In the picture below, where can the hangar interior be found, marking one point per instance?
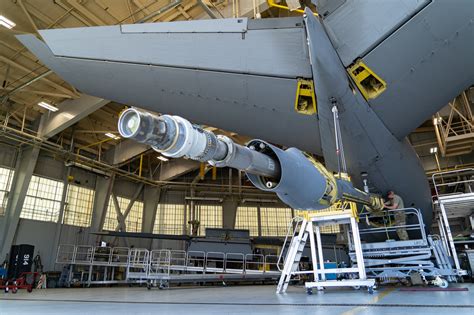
(72, 185)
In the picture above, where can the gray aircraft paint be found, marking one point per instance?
(250, 89)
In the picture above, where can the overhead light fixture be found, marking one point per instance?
(48, 106)
(6, 22)
(162, 158)
(68, 115)
(245, 200)
(204, 199)
(433, 150)
(436, 120)
(111, 135)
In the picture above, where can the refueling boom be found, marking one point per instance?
(298, 179)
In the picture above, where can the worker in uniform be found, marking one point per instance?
(396, 202)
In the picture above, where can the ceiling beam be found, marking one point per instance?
(176, 167)
(124, 151)
(25, 69)
(40, 92)
(84, 11)
(69, 113)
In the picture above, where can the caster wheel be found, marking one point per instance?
(148, 286)
(444, 284)
(6, 290)
(309, 291)
(29, 289)
(356, 287)
(14, 290)
(370, 290)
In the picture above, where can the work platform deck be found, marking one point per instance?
(236, 300)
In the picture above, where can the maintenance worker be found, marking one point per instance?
(396, 202)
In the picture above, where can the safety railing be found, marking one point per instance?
(234, 263)
(83, 254)
(142, 263)
(120, 256)
(385, 223)
(66, 254)
(139, 257)
(160, 261)
(195, 261)
(293, 228)
(273, 263)
(453, 182)
(139, 263)
(102, 255)
(178, 259)
(214, 262)
(254, 262)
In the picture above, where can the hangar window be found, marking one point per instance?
(6, 176)
(79, 204)
(247, 218)
(209, 216)
(43, 199)
(133, 222)
(169, 219)
(275, 221)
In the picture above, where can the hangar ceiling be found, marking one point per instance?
(25, 82)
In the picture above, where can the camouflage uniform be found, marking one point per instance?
(400, 217)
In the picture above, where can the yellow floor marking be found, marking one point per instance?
(375, 300)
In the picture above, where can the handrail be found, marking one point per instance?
(234, 258)
(159, 262)
(271, 3)
(420, 226)
(298, 220)
(441, 174)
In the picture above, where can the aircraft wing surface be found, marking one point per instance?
(238, 74)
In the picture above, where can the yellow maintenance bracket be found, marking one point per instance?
(272, 3)
(305, 101)
(369, 83)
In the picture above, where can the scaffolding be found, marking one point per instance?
(455, 134)
(454, 199)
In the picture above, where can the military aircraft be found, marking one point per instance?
(387, 66)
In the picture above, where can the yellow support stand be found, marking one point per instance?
(339, 207)
(214, 173)
(202, 170)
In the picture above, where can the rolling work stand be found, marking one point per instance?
(310, 228)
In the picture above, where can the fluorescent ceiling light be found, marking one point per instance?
(259, 200)
(111, 135)
(162, 158)
(48, 106)
(204, 198)
(433, 150)
(68, 115)
(6, 22)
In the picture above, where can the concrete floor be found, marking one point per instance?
(235, 300)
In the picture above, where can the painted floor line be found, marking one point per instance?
(244, 304)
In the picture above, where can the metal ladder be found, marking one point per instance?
(295, 251)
